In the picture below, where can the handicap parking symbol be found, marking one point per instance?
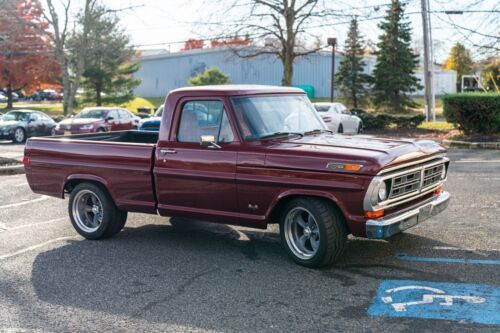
(474, 303)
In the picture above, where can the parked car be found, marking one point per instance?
(21, 124)
(237, 160)
(152, 123)
(46, 95)
(3, 98)
(338, 118)
(98, 119)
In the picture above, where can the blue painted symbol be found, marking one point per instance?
(404, 256)
(475, 303)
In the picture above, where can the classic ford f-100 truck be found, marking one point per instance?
(250, 156)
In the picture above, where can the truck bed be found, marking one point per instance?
(121, 161)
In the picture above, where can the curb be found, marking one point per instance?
(15, 169)
(471, 145)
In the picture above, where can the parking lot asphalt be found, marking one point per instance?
(215, 278)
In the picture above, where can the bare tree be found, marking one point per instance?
(282, 23)
(60, 34)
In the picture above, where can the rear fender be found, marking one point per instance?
(93, 178)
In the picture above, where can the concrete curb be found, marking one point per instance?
(15, 169)
(471, 145)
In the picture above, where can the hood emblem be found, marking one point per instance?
(344, 167)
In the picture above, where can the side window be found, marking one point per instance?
(113, 114)
(204, 118)
(34, 117)
(124, 114)
(344, 110)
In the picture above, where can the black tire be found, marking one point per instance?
(17, 138)
(341, 129)
(360, 128)
(113, 219)
(332, 231)
(100, 130)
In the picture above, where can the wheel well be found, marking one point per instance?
(72, 183)
(274, 217)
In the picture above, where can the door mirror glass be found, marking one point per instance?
(209, 141)
(110, 118)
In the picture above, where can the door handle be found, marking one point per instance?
(168, 151)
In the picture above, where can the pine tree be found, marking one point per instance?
(352, 81)
(394, 72)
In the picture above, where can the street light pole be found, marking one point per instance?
(427, 65)
(332, 42)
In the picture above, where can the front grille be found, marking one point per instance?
(413, 182)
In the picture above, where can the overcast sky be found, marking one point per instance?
(166, 23)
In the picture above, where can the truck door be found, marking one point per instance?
(193, 178)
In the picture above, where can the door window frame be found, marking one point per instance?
(178, 114)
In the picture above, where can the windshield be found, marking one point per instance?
(264, 116)
(18, 116)
(92, 113)
(321, 108)
(159, 112)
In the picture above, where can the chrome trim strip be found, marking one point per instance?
(440, 156)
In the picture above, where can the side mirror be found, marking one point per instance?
(31, 120)
(109, 118)
(209, 142)
(354, 113)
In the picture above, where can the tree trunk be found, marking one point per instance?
(287, 68)
(10, 103)
(98, 99)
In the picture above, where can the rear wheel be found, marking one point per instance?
(360, 128)
(100, 130)
(313, 232)
(93, 213)
(19, 135)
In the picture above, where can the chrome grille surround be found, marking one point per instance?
(406, 182)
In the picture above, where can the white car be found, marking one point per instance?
(338, 118)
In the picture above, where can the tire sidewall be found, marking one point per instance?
(14, 135)
(317, 259)
(109, 211)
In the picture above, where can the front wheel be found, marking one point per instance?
(93, 213)
(340, 129)
(313, 232)
(360, 128)
(19, 135)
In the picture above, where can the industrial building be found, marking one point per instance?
(161, 72)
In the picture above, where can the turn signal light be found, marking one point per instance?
(26, 160)
(438, 191)
(374, 215)
(352, 167)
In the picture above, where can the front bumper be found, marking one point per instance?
(392, 224)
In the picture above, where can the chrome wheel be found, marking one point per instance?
(53, 132)
(302, 233)
(19, 135)
(87, 211)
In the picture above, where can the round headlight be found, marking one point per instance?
(443, 173)
(382, 192)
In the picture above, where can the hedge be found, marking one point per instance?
(473, 112)
(384, 120)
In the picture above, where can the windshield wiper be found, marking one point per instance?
(277, 134)
(318, 131)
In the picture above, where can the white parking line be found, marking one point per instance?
(5, 228)
(27, 249)
(24, 202)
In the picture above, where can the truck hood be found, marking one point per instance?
(79, 121)
(315, 152)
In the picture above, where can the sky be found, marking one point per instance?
(165, 24)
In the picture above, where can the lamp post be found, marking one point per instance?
(332, 42)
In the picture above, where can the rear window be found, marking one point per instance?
(322, 108)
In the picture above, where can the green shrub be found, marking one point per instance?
(384, 120)
(473, 112)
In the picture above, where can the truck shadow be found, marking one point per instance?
(215, 277)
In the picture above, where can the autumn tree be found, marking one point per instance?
(351, 78)
(193, 44)
(27, 57)
(394, 73)
(285, 22)
(108, 65)
(460, 61)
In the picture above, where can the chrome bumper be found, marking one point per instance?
(395, 223)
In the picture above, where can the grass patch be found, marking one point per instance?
(156, 101)
(437, 126)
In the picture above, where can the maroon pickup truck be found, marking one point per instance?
(250, 156)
